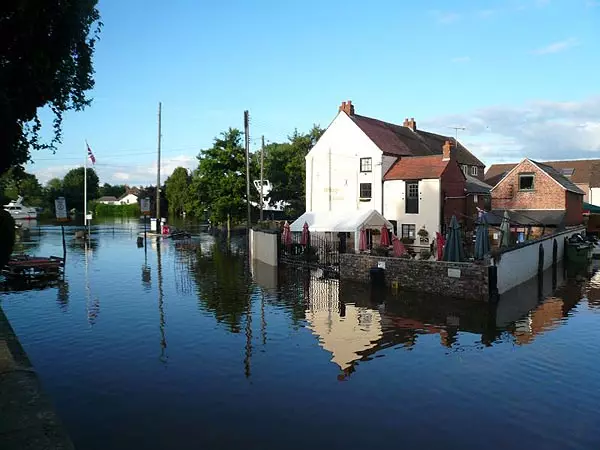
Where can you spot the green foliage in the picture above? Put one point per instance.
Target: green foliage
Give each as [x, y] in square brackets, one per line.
[46, 58]
[178, 190]
[15, 183]
[285, 168]
[107, 190]
[73, 187]
[219, 183]
[103, 210]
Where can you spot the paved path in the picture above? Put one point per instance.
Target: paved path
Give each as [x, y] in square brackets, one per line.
[27, 418]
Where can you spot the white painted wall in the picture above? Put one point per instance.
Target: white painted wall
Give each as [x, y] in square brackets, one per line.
[517, 266]
[333, 172]
[128, 199]
[429, 205]
[594, 196]
[263, 247]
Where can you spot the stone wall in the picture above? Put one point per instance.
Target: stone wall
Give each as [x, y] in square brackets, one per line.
[461, 280]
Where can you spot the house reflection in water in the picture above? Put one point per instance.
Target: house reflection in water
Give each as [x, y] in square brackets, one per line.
[353, 323]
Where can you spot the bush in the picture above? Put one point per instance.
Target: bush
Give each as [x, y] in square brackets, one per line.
[380, 251]
[103, 210]
[425, 254]
[7, 231]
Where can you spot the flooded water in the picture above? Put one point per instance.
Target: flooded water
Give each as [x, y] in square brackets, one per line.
[191, 346]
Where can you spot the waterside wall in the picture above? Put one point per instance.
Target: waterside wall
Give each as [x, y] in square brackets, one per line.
[450, 279]
[264, 246]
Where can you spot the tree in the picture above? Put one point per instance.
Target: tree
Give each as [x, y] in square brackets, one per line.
[178, 190]
[46, 49]
[285, 168]
[108, 190]
[219, 183]
[52, 190]
[16, 183]
[73, 187]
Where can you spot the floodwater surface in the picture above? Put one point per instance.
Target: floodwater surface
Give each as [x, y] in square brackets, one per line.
[191, 346]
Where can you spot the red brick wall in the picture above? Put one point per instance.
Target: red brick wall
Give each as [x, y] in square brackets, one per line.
[453, 185]
[574, 203]
[547, 193]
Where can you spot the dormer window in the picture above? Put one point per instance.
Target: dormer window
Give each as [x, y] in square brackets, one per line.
[465, 169]
[567, 172]
[474, 171]
[366, 164]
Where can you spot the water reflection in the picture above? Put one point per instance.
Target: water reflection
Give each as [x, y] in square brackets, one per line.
[92, 301]
[161, 310]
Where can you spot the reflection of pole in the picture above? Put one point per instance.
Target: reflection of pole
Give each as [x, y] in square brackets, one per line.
[161, 311]
[145, 241]
[248, 352]
[263, 322]
[62, 228]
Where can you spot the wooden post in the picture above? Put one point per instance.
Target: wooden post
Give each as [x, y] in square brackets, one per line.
[228, 227]
[64, 244]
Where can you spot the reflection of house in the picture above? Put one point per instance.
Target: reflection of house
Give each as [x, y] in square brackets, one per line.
[346, 167]
[545, 317]
[108, 200]
[584, 173]
[536, 196]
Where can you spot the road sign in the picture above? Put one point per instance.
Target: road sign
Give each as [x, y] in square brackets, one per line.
[60, 206]
[145, 206]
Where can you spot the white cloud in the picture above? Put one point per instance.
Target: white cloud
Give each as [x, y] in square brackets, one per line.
[461, 59]
[541, 129]
[556, 47]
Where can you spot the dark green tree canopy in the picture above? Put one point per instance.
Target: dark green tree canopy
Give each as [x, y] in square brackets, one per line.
[109, 190]
[73, 187]
[46, 49]
[178, 190]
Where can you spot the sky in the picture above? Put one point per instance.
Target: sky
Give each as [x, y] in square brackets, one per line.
[520, 75]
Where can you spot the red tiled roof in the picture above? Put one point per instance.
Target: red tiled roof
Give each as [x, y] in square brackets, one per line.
[398, 140]
[582, 170]
[417, 168]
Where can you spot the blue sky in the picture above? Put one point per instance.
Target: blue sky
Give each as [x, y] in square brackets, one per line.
[520, 75]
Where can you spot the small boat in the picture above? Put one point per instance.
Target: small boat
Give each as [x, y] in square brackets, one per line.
[32, 267]
[579, 249]
[18, 210]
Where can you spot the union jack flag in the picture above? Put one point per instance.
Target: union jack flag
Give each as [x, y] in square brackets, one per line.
[90, 154]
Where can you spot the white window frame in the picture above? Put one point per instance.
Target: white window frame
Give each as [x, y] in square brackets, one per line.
[474, 171]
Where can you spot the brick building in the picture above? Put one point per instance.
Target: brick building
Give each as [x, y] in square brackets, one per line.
[538, 198]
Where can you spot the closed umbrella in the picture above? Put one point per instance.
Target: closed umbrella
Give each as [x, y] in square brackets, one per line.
[385, 237]
[287, 234]
[453, 250]
[398, 246]
[305, 235]
[440, 241]
[505, 230]
[362, 240]
[482, 238]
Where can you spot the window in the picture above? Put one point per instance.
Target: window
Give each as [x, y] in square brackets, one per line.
[412, 197]
[475, 199]
[365, 192]
[474, 171]
[465, 169]
[567, 172]
[409, 231]
[526, 182]
[366, 164]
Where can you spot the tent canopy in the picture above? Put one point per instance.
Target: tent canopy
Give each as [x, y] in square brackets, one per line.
[340, 222]
[593, 209]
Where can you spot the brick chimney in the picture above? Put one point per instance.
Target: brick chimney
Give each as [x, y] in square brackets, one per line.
[410, 123]
[347, 107]
[447, 151]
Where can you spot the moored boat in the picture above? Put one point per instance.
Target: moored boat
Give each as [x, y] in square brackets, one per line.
[18, 210]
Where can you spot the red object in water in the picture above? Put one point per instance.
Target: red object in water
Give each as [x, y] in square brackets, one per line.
[440, 242]
[362, 240]
[305, 234]
[385, 237]
[165, 229]
[399, 248]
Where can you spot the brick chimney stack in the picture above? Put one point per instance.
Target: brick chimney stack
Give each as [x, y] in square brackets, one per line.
[347, 107]
[447, 151]
[410, 123]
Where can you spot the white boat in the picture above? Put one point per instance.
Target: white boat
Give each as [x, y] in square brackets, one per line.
[18, 210]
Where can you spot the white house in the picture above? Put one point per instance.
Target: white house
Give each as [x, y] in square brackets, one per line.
[107, 200]
[345, 170]
[128, 198]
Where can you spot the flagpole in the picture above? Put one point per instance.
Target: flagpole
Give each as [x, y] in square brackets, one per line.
[85, 188]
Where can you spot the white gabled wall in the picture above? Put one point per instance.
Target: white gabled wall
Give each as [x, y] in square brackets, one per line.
[333, 172]
[594, 196]
[429, 205]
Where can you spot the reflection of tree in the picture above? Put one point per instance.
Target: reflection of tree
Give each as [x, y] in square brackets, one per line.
[62, 295]
[223, 285]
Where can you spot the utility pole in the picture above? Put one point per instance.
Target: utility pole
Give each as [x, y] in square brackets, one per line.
[247, 145]
[158, 172]
[262, 168]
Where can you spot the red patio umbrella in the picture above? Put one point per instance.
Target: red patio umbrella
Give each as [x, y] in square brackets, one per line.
[287, 234]
[385, 237]
[305, 234]
[399, 248]
[362, 240]
[440, 242]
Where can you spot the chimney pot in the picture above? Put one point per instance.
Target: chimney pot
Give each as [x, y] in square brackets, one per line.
[410, 123]
[347, 107]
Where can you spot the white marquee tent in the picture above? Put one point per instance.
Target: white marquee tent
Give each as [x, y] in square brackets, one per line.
[341, 222]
